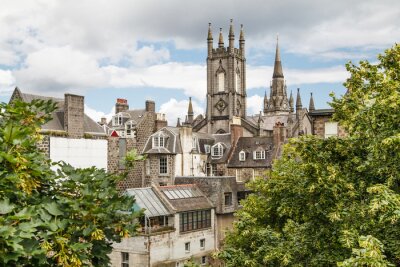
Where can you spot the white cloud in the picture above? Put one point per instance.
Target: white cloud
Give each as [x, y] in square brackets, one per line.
[7, 82]
[147, 55]
[174, 109]
[254, 104]
[97, 115]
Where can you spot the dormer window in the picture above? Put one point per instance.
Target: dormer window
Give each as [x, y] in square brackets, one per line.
[130, 129]
[242, 156]
[217, 151]
[259, 154]
[117, 119]
[159, 140]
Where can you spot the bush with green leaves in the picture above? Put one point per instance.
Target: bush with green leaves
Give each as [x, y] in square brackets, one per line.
[68, 217]
[332, 201]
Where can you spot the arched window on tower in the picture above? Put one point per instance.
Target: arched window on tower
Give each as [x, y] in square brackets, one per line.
[237, 81]
[221, 81]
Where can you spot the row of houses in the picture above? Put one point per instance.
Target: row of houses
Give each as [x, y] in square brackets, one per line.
[195, 173]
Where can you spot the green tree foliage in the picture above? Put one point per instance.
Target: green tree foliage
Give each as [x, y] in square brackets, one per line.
[332, 201]
[67, 217]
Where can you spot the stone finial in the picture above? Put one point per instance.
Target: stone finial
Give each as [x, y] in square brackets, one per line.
[209, 32]
[311, 106]
[221, 39]
[241, 39]
[190, 111]
[178, 123]
[291, 102]
[298, 100]
[231, 33]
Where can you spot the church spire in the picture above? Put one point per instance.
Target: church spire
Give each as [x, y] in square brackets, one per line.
[265, 102]
[278, 73]
[291, 102]
[298, 100]
[221, 39]
[190, 111]
[311, 107]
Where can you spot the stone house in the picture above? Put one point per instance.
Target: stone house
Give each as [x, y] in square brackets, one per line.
[70, 135]
[127, 130]
[178, 225]
[323, 125]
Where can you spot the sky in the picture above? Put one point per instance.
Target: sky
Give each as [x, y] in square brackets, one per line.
[157, 50]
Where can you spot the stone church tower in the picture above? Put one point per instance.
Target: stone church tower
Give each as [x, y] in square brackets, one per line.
[226, 81]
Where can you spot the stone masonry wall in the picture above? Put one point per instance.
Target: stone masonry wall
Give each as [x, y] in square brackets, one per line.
[319, 126]
[152, 164]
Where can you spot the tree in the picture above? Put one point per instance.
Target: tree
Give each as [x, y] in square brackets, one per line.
[67, 217]
[332, 201]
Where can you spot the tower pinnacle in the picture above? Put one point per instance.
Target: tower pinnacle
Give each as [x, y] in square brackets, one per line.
[311, 106]
[221, 39]
[190, 111]
[278, 73]
[209, 32]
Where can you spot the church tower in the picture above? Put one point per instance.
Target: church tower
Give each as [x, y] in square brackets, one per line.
[226, 81]
[278, 101]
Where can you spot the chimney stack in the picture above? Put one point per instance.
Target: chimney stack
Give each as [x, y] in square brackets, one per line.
[74, 115]
[150, 106]
[121, 105]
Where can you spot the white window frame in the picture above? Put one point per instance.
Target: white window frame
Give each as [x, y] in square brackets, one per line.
[117, 119]
[124, 261]
[202, 243]
[130, 129]
[158, 140]
[242, 156]
[194, 143]
[259, 154]
[203, 260]
[187, 247]
[148, 169]
[166, 165]
[207, 149]
[331, 129]
[217, 151]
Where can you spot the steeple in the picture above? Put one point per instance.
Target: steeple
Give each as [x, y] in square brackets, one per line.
[278, 73]
[209, 41]
[178, 123]
[291, 102]
[265, 102]
[311, 107]
[221, 39]
[241, 40]
[190, 111]
[298, 100]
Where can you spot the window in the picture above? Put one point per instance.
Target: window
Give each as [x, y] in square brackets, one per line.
[148, 170]
[163, 165]
[124, 259]
[202, 243]
[237, 81]
[187, 247]
[331, 129]
[158, 140]
[203, 260]
[207, 148]
[194, 220]
[221, 82]
[130, 129]
[242, 156]
[228, 198]
[217, 151]
[117, 119]
[259, 154]
[194, 143]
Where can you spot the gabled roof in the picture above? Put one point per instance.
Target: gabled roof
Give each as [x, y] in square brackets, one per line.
[146, 198]
[249, 145]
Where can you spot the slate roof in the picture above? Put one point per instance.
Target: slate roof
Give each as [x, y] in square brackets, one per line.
[322, 112]
[249, 145]
[186, 197]
[146, 198]
[172, 142]
[57, 122]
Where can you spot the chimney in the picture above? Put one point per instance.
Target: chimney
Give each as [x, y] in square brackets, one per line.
[121, 105]
[160, 121]
[150, 106]
[74, 115]
[279, 132]
[236, 130]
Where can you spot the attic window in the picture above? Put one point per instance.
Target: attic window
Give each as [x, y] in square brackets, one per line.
[259, 155]
[117, 119]
[217, 151]
[130, 129]
[158, 140]
[242, 156]
[207, 148]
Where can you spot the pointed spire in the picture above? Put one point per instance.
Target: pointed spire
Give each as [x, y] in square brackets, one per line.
[265, 102]
[209, 32]
[278, 73]
[298, 100]
[241, 38]
[221, 39]
[291, 102]
[311, 107]
[178, 123]
[260, 118]
[190, 111]
[231, 33]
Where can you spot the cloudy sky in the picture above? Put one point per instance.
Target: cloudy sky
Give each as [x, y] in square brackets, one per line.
[156, 50]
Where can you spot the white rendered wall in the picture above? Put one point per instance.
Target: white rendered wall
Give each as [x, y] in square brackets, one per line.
[80, 153]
